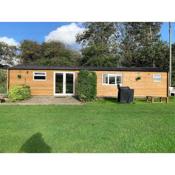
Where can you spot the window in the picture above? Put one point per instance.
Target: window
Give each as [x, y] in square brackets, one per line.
[39, 75]
[157, 77]
[112, 79]
[105, 79]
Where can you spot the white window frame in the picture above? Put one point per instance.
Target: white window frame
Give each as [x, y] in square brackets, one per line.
[45, 75]
[64, 84]
[155, 80]
[111, 75]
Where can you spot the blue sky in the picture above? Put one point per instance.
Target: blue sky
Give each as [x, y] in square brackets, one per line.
[28, 30]
[15, 32]
[165, 31]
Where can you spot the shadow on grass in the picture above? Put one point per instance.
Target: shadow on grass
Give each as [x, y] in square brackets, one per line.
[35, 144]
[107, 100]
[112, 100]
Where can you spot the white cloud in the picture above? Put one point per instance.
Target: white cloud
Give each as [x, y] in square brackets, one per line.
[9, 41]
[65, 34]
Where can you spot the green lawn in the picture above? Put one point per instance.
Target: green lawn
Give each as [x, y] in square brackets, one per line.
[102, 126]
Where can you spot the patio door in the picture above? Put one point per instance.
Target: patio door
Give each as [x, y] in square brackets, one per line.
[64, 83]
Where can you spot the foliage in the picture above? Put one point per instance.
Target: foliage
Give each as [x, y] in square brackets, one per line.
[141, 45]
[30, 51]
[86, 85]
[135, 44]
[19, 92]
[48, 54]
[99, 42]
[3, 75]
[7, 53]
[3, 81]
[3, 88]
[128, 44]
[97, 55]
[55, 53]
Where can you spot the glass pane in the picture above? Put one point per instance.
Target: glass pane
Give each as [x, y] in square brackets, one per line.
[112, 80]
[40, 73]
[39, 77]
[105, 78]
[118, 80]
[59, 83]
[157, 77]
[69, 83]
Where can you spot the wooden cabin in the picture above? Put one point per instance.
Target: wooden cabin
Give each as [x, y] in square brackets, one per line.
[60, 81]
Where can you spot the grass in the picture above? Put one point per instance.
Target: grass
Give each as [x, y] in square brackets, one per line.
[102, 126]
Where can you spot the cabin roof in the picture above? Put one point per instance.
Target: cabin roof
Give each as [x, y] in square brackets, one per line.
[141, 69]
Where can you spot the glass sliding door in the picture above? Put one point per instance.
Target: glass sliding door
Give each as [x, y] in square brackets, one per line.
[64, 83]
[59, 83]
[69, 83]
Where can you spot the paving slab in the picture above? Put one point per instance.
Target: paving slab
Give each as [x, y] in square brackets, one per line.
[46, 100]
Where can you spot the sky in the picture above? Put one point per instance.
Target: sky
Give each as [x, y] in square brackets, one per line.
[14, 32]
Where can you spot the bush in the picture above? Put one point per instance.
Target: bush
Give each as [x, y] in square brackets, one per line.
[2, 75]
[19, 92]
[3, 81]
[86, 86]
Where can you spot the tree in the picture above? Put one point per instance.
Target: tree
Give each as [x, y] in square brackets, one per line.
[141, 45]
[7, 53]
[47, 53]
[55, 53]
[99, 44]
[30, 52]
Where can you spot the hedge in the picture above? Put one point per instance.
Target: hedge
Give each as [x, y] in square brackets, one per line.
[3, 82]
[19, 92]
[86, 85]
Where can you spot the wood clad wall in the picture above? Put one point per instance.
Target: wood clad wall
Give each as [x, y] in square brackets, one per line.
[143, 87]
[44, 87]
